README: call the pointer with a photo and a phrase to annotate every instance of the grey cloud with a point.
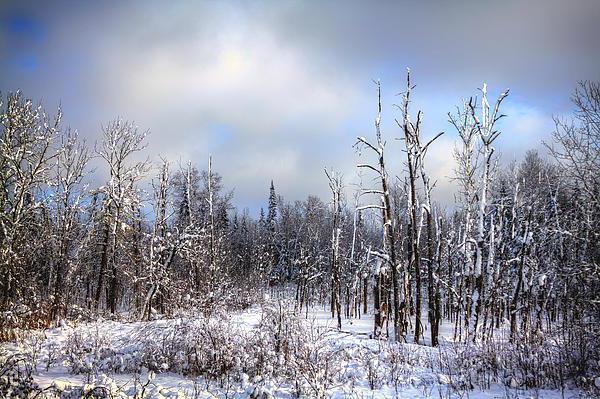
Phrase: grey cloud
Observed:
(291, 81)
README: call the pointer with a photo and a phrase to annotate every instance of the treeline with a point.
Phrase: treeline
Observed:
(520, 248)
(70, 249)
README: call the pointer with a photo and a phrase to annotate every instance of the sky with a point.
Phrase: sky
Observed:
(281, 89)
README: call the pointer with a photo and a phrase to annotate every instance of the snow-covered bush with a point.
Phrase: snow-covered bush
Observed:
(315, 361)
(211, 348)
(215, 350)
(373, 366)
(80, 314)
(16, 379)
(33, 342)
(90, 352)
(580, 355)
(104, 387)
(538, 362)
(277, 330)
(464, 366)
(52, 354)
(295, 350)
(311, 359)
(402, 361)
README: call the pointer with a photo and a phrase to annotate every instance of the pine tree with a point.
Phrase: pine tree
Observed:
(261, 219)
(272, 212)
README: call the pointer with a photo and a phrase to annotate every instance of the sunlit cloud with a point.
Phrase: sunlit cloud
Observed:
(280, 90)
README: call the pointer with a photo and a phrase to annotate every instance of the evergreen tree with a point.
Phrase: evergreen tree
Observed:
(261, 219)
(272, 213)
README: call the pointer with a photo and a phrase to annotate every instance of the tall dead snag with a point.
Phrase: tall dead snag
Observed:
(466, 157)
(411, 130)
(389, 255)
(211, 220)
(357, 265)
(485, 128)
(336, 186)
(355, 269)
(415, 153)
(484, 125)
(433, 312)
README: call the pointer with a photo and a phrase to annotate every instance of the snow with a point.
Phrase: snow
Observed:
(365, 367)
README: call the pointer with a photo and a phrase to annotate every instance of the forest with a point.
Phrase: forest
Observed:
(137, 281)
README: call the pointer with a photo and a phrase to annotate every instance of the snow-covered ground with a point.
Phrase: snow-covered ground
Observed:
(155, 359)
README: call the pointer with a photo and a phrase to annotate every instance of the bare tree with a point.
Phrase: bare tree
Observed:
(164, 244)
(485, 126)
(415, 154)
(211, 219)
(467, 157)
(122, 140)
(575, 143)
(389, 235)
(26, 154)
(336, 186)
(67, 201)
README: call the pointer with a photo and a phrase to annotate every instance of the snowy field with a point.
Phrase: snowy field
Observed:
(262, 352)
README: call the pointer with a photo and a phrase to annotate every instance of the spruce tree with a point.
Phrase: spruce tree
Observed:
(272, 212)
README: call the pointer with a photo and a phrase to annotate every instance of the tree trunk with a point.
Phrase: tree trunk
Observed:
(103, 265)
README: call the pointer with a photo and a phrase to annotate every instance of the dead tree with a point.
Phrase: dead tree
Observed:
(415, 157)
(485, 127)
(357, 267)
(336, 186)
(211, 220)
(388, 230)
(466, 156)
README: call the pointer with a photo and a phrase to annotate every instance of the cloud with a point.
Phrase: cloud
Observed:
(277, 110)
(523, 128)
(281, 89)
